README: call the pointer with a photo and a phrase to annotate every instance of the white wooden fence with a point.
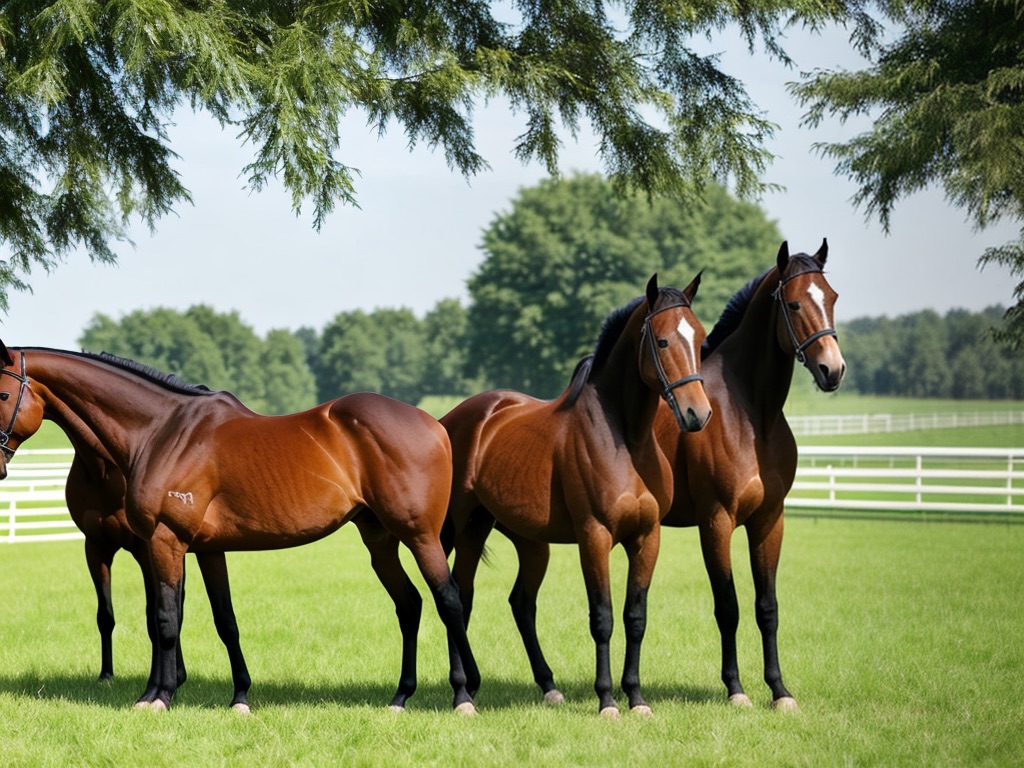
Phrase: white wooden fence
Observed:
(879, 423)
(32, 506)
(976, 481)
(942, 480)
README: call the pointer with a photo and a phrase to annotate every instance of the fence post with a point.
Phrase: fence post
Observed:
(13, 512)
(919, 481)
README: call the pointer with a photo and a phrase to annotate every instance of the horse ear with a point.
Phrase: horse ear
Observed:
(652, 290)
(822, 255)
(783, 258)
(5, 356)
(691, 290)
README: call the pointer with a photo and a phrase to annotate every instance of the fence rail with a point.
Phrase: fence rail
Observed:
(974, 481)
(946, 480)
(32, 505)
(882, 423)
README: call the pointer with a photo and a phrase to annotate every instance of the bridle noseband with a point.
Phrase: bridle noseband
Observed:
(667, 387)
(5, 435)
(799, 347)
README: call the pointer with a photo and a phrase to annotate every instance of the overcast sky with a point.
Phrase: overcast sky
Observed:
(415, 239)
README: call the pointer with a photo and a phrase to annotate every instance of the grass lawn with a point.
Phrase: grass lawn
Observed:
(903, 643)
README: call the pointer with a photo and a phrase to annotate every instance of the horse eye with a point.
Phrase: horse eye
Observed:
(794, 305)
(661, 343)
(5, 395)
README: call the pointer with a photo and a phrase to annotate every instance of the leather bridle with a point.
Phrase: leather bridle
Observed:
(667, 387)
(5, 435)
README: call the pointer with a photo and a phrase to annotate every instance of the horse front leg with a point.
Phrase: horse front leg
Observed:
(642, 552)
(99, 560)
(595, 549)
(765, 541)
(715, 540)
(214, 567)
(384, 560)
(533, 565)
(166, 554)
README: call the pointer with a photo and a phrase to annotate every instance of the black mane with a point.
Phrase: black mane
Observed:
(736, 307)
(732, 315)
(169, 381)
(611, 330)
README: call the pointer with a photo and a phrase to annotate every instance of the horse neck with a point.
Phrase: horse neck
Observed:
(625, 398)
(752, 355)
(98, 406)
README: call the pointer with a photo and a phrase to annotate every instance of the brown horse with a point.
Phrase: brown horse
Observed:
(739, 470)
(206, 474)
(583, 468)
(95, 493)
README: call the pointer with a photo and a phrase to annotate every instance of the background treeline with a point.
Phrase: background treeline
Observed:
(564, 255)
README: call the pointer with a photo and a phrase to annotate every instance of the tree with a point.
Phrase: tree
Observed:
(444, 330)
(89, 89)
(570, 251)
(947, 97)
(382, 351)
(240, 349)
(289, 383)
(163, 338)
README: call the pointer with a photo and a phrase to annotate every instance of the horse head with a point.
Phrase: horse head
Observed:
(806, 304)
(670, 355)
(22, 415)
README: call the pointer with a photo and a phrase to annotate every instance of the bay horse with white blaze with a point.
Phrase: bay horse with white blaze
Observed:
(738, 471)
(585, 469)
(205, 474)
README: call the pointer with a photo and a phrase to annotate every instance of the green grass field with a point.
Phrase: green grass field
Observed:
(903, 643)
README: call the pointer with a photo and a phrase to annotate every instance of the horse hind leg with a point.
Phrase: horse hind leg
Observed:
(384, 559)
(214, 568)
(464, 675)
(533, 565)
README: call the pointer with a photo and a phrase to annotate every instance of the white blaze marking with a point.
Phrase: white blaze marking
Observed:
(688, 333)
(818, 297)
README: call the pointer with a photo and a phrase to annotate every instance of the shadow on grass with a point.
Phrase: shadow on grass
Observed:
(215, 693)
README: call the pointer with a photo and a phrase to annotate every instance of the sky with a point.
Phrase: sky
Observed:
(415, 237)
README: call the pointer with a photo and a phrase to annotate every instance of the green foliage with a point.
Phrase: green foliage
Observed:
(89, 89)
(923, 354)
(946, 95)
(570, 251)
(215, 349)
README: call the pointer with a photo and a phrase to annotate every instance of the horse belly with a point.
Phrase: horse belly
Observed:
(233, 526)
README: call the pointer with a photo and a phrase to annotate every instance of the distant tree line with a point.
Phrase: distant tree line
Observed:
(566, 254)
(924, 354)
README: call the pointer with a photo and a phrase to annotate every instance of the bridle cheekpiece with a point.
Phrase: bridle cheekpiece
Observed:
(5, 435)
(667, 387)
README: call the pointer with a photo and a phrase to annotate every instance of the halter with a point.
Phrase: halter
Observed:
(5, 434)
(798, 346)
(667, 387)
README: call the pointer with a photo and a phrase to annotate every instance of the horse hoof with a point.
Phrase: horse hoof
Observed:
(643, 710)
(740, 700)
(554, 698)
(157, 705)
(612, 713)
(396, 708)
(241, 708)
(466, 708)
(786, 704)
